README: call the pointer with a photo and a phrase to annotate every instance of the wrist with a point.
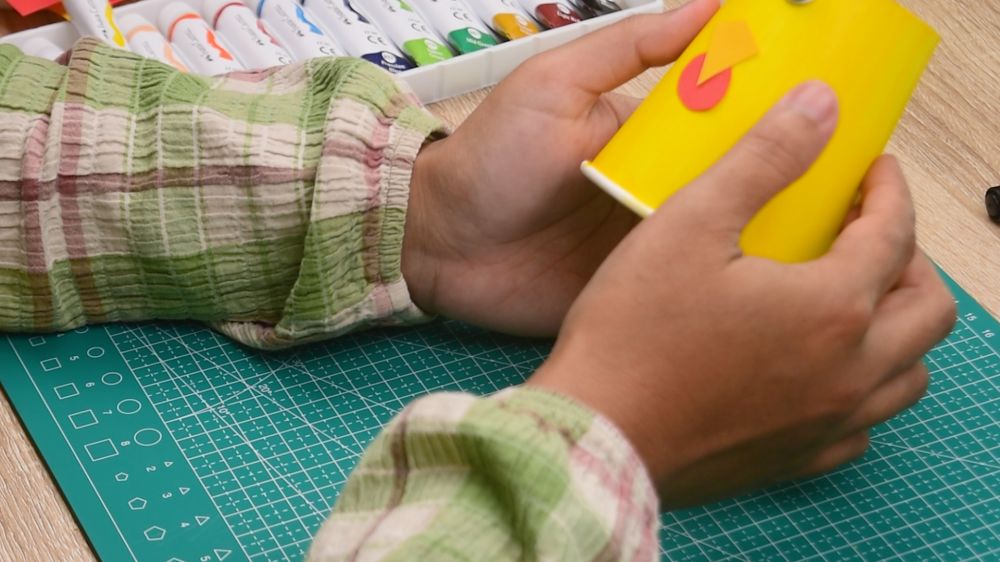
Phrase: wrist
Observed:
(594, 387)
(419, 264)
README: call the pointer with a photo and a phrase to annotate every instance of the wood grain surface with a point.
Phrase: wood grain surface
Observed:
(949, 144)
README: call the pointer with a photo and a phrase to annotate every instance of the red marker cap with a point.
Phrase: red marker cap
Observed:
(556, 14)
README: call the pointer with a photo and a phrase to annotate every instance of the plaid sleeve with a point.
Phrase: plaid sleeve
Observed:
(269, 205)
(522, 475)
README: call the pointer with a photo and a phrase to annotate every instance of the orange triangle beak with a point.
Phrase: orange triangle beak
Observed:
(732, 43)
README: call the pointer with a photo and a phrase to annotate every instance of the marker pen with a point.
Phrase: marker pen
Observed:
(93, 18)
(194, 39)
(287, 21)
(552, 13)
(506, 18)
(454, 20)
(407, 30)
(243, 33)
(144, 39)
(42, 48)
(356, 34)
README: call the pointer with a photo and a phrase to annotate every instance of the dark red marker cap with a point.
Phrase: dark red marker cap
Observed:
(557, 14)
(993, 203)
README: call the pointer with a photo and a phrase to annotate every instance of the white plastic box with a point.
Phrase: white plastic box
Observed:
(432, 83)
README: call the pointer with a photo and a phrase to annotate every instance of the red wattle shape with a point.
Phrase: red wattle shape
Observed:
(707, 95)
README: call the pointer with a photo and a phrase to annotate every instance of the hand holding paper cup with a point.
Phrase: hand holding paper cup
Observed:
(753, 52)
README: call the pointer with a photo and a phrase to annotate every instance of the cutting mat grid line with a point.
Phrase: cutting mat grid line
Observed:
(174, 379)
(206, 451)
(263, 544)
(259, 400)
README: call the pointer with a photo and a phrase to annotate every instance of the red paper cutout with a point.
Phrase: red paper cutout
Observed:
(28, 7)
(707, 95)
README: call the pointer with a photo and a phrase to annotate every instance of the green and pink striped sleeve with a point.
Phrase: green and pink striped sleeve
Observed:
(271, 205)
(521, 475)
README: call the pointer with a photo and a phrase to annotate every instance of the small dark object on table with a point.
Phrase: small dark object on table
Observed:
(993, 203)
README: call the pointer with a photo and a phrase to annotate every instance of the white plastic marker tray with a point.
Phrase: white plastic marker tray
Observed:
(442, 80)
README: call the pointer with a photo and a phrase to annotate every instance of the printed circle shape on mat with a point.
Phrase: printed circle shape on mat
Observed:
(111, 378)
(129, 406)
(707, 95)
(147, 437)
(95, 352)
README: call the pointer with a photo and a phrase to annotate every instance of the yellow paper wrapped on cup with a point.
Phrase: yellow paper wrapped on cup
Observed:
(752, 53)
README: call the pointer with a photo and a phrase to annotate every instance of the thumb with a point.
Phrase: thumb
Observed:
(772, 156)
(601, 61)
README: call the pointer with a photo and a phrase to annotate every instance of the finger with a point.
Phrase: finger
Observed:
(874, 250)
(772, 156)
(605, 59)
(894, 396)
(852, 215)
(608, 115)
(840, 453)
(621, 106)
(912, 318)
(888, 400)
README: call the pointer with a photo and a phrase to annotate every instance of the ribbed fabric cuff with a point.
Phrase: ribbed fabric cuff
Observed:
(521, 474)
(351, 275)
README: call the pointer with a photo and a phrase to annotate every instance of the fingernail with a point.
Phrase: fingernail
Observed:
(816, 101)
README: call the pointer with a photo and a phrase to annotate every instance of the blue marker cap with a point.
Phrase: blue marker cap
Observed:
(389, 61)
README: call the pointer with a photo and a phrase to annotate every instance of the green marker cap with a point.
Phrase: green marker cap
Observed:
(470, 39)
(426, 51)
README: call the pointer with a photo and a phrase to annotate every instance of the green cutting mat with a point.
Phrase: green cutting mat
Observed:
(172, 444)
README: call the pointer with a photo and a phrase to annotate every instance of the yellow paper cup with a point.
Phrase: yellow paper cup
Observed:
(749, 56)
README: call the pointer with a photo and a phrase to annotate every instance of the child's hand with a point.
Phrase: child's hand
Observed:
(729, 372)
(503, 229)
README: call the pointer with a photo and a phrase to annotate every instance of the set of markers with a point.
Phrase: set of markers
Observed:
(218, 36)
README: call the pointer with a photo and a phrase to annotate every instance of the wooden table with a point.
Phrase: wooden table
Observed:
(949, 143)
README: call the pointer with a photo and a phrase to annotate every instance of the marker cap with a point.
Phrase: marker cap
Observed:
(210, 9)
(172, 12)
